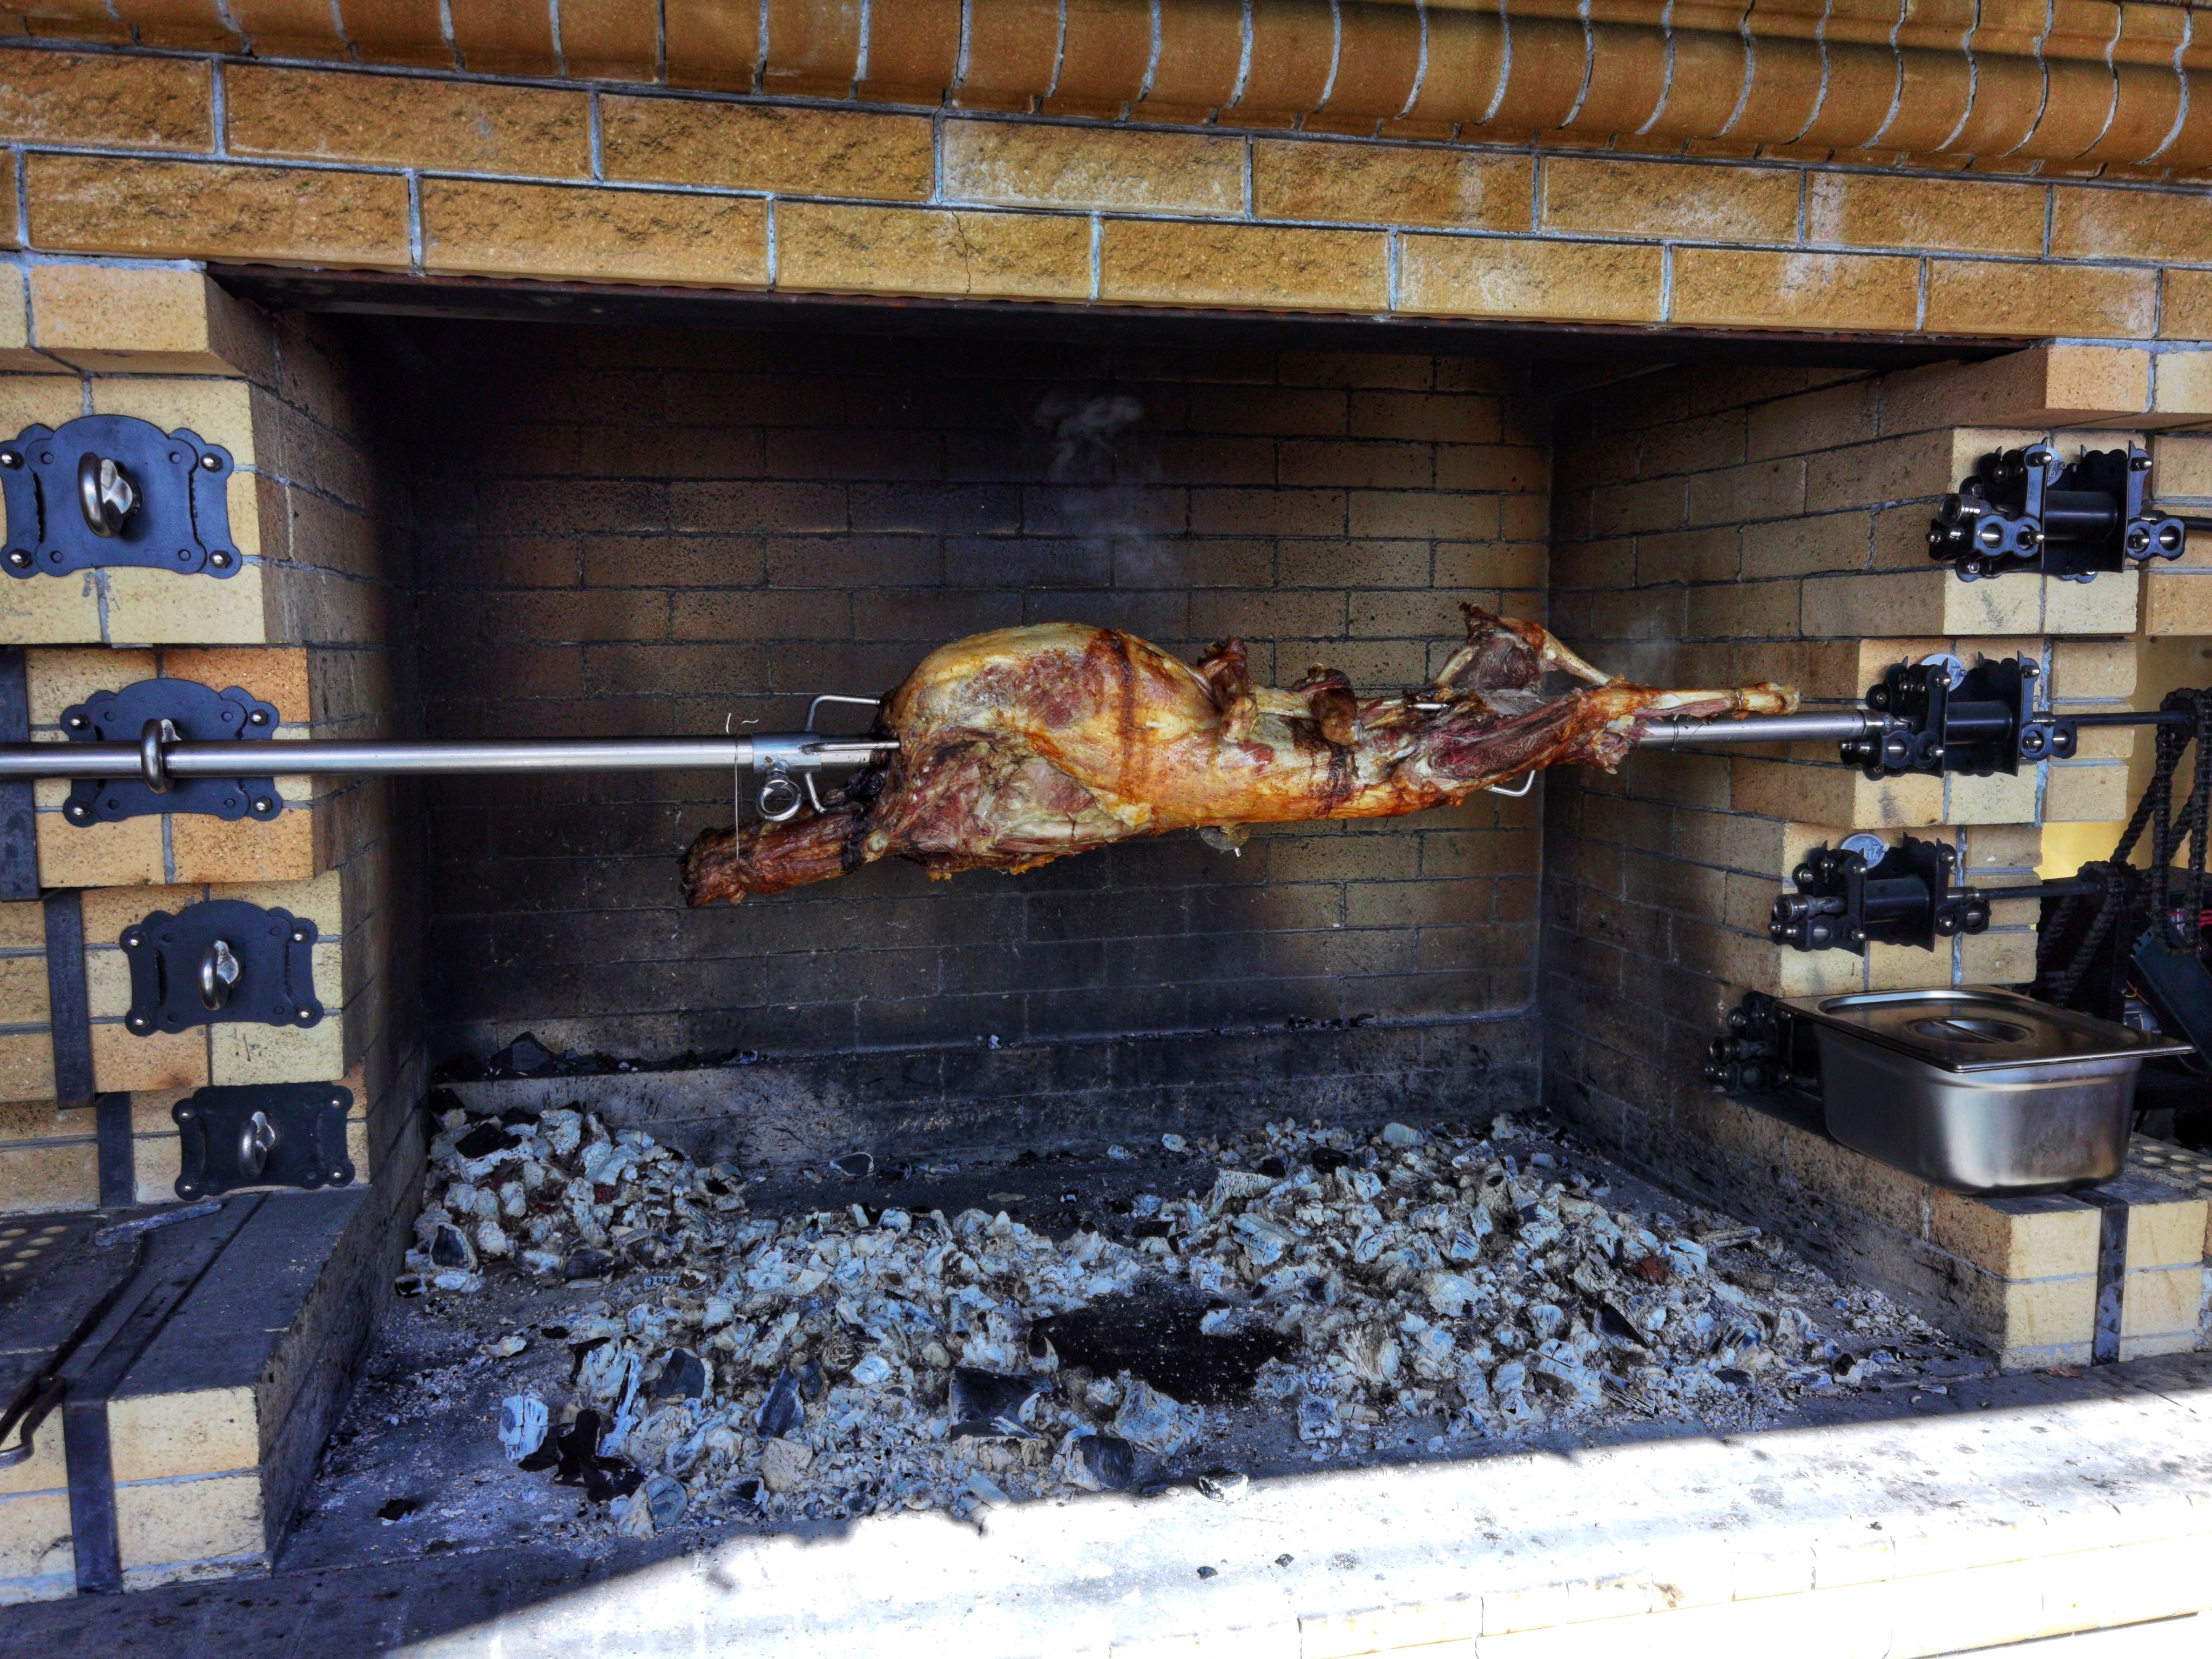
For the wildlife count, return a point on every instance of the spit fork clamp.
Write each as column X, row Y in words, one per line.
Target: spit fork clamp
column 786, row 763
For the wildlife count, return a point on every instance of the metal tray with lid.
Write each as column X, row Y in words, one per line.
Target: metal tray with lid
column 1978, row 1089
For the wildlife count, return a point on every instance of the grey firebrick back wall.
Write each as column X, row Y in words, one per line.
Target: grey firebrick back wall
column 619, row 531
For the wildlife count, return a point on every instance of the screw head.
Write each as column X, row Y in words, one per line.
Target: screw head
column 19, row 558
column 211, row 463
column 219, row 559
column 258, row 717
column 10, row 458
column 78, row 809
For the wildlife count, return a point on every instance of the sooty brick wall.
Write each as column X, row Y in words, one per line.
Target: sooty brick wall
column 625, row 532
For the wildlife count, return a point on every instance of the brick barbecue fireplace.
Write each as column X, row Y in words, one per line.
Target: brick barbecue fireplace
column 643, row 370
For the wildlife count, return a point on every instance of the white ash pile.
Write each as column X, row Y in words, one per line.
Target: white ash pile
column 1436, row 1273
column 845, row 1361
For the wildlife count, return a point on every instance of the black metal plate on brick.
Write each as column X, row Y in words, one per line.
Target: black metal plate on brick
column 297, row 1132
column 178, row 978
column 200, row 714
column 180, row 519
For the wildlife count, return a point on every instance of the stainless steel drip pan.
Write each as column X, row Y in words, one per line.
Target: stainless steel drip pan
column 1978, row 1089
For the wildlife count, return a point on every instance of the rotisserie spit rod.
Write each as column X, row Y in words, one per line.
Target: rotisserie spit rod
column 784, row 764
column 323, row 758
column 155, row 761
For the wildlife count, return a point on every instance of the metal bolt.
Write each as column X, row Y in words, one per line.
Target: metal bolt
column 258, row 717
column 19, row 558
column 79, row 810
column 77, row 722
column 299, row 936
column 219, row 559
column 11, row 460
column 211, row 463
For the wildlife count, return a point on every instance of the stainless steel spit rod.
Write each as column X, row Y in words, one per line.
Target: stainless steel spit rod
column 1815, row 725
column 154, row 760
column 320, row 758
column 157, row 761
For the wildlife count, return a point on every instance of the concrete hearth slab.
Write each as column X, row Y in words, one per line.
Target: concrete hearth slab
column 1880, row 1540
column 2042, row 1505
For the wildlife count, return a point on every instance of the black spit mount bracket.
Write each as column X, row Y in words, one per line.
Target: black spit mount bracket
column 106, row 490
column 1974, row 720
column 1765, row 1047
column 263, row 1134
column 1864, row 893
column 181, row 709
column 2026, row 508
column 220, row 961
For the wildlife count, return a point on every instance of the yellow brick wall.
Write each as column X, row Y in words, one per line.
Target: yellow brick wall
column 1171, row 160
column 305, row 625
column 1719, row 527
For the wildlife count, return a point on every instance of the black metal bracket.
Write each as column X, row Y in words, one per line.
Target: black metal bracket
column 1864, row 893
column 105, row 490
column 221, row 962
column 263, row 1134
column 2024, row 508
column 1971, row 721
column 185, row 711
column 1765, row 1047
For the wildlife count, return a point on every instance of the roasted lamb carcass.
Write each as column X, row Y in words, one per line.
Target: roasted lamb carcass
column 1020, row 746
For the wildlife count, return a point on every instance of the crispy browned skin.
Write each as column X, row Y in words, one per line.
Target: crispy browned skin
column 1018, row 747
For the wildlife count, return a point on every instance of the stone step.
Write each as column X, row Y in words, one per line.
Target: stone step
column 216, row 1426
column 1899, row 1539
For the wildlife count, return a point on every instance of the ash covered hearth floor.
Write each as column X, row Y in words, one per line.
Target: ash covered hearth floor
column 1875, row 1491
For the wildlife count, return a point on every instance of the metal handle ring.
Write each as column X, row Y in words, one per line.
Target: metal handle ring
column 779, row 800
column 105, row 493
column 218, row 974
column 153, row 764
column 257, row 1138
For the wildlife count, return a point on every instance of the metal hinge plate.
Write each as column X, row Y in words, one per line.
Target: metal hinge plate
column 198, row 714
column 105, row 490
column 263, row 1134
column 220, row 961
